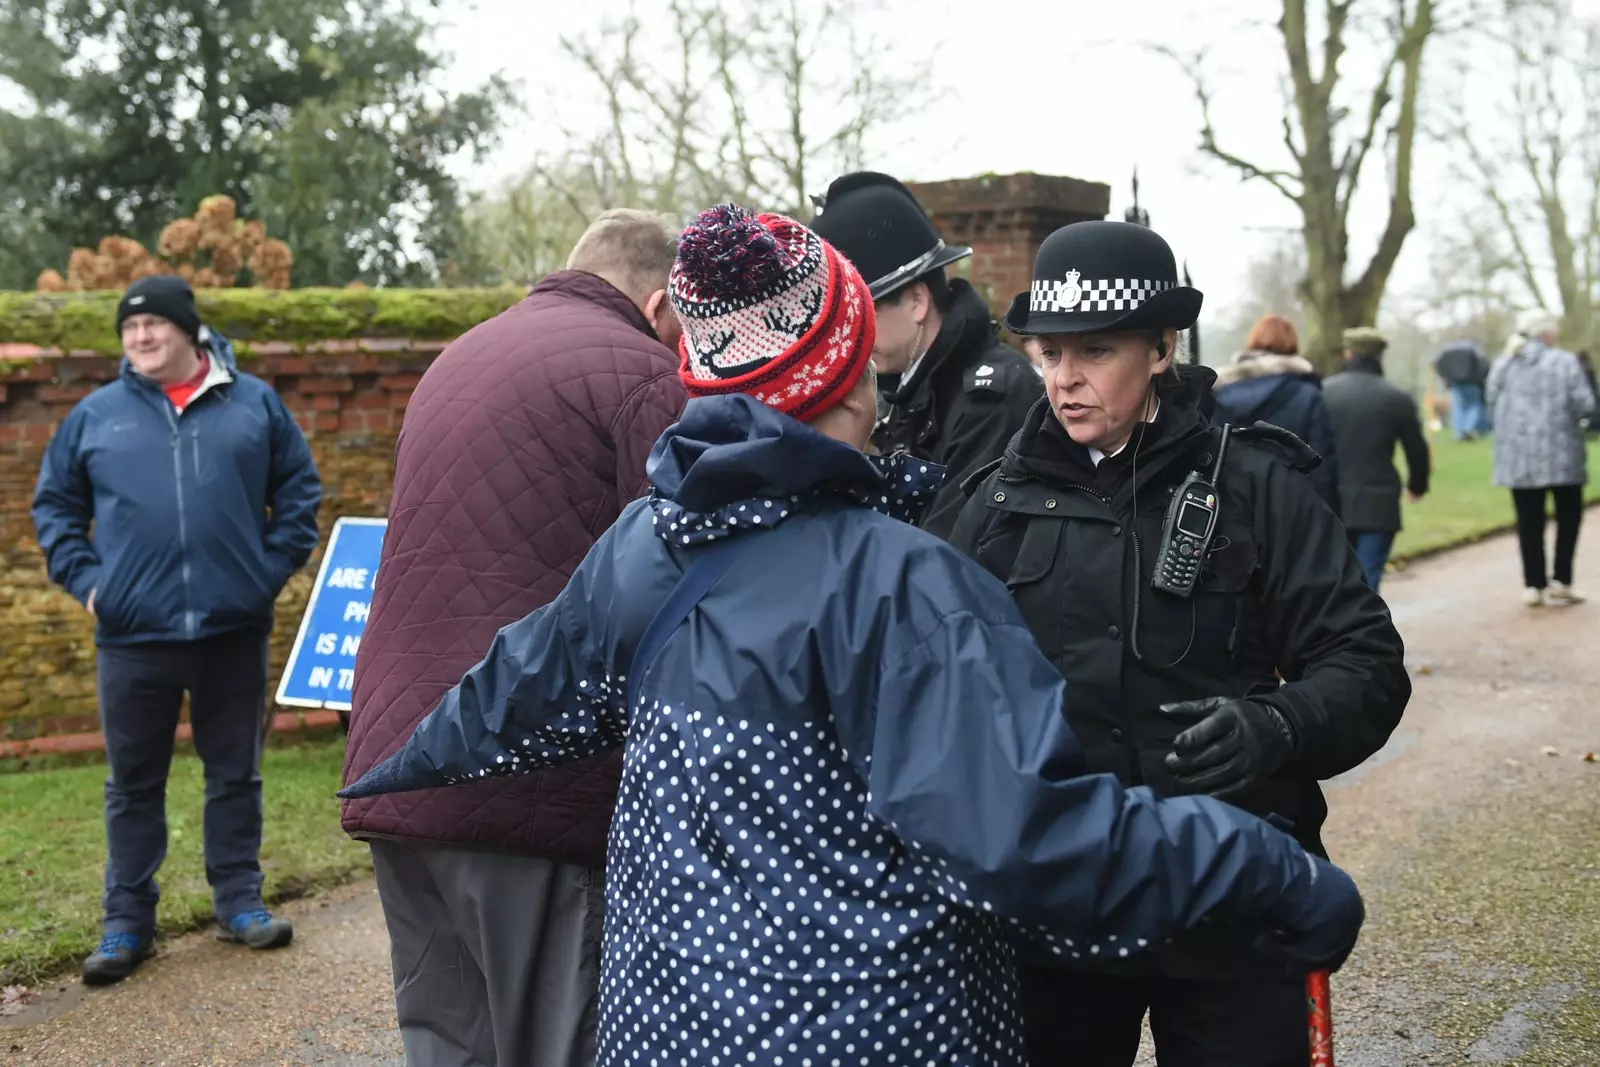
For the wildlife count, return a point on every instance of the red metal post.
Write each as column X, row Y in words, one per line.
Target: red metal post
column 1319, row 1008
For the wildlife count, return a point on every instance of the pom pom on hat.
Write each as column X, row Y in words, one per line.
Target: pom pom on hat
column 729, row 254
column 769, row 309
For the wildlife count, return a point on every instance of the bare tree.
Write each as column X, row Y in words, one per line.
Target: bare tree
column 1328, row 142
column 1471, row 280
column 525, row 228
column 706, row 100
column 1270, row 287
column 1541, row 175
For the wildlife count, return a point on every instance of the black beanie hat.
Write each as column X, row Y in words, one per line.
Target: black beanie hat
column 165, row 295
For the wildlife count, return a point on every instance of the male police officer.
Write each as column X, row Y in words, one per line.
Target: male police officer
column 950, row 391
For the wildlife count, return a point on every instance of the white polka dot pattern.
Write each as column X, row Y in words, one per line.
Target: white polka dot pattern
column 757, row 913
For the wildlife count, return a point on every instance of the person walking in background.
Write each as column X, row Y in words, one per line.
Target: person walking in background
column 175, row 502
column 1370, row 416
column 521, row 445
column 850, row 790
column 1591, row 425
column 1270, row 382
column 951, row 390
column 1538, row 395
column 1463, row 368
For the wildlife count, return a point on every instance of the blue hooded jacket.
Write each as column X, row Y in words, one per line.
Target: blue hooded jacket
column 1286, row 392
column 181, row 525
column 847, row 779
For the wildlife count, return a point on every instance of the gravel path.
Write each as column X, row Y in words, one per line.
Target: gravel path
column 1480, row 856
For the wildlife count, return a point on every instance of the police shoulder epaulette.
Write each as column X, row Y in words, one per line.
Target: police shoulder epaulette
column 989, row 376
column 1284, row 445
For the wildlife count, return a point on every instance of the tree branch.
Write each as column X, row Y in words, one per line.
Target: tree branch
column 1279, row 179
column 1491, row 190
column 1362, row 298
column 1336, row 16
column 1355, row 155
column 739, row 137
column 1293, row 28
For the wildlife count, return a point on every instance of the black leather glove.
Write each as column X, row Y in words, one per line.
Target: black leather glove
column 1230, row 745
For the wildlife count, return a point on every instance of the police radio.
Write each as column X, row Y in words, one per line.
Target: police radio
column 1187, row 531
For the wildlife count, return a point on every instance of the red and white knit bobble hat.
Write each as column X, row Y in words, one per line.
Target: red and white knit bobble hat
column 769, row 309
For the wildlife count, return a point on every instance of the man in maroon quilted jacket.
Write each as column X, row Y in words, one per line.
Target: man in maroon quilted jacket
column 520, row 446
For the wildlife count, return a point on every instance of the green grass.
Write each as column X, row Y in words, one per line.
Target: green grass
column 52, row 851
column 1463, row 504
column 52, row 833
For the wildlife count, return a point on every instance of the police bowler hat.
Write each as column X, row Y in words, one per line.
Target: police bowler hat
column 881, row 228
column 1101, row 277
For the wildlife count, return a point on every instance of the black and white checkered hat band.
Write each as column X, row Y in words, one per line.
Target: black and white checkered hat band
column 1089, row 295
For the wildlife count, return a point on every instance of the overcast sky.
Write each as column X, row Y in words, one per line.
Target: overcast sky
column 1065, row 87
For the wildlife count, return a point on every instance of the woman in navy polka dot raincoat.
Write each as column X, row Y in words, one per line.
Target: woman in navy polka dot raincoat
column 848, row 790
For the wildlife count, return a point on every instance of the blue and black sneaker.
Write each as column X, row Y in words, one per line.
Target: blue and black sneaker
column 258, row 929
column 118, row 956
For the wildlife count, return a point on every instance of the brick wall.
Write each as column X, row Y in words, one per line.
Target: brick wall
column 1004, row 218
column 348, row 397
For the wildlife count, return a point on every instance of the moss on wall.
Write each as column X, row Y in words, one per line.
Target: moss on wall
column 87, row 321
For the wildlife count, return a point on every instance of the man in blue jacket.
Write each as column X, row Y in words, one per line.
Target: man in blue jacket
column 174, row 503
column 847, row 784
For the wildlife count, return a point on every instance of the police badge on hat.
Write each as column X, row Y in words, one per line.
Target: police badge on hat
column 1097, row 277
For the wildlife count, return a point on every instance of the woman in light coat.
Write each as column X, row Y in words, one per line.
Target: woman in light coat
column 1538, row 395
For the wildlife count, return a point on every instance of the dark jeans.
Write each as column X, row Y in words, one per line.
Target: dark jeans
column 141, row 694
column 1372, row 549
column 1092, row 1020
column 1530, row 532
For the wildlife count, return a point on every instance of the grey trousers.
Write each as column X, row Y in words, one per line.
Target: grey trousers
column 496, row 957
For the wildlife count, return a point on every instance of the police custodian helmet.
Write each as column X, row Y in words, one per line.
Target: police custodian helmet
column 875, row 223
column 1098, row 277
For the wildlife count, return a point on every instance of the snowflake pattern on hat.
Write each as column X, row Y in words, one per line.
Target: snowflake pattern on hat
column 770, row 309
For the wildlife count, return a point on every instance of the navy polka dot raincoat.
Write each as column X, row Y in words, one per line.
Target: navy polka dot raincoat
column 848, row 788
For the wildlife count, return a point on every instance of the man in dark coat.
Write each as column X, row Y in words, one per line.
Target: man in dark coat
column 1178, row 692
column 1370, row 416
column 950, row 390
column 174, row 503
column 521, row 445
column 848, row 785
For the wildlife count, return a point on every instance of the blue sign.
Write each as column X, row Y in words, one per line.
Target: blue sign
column 321, row 672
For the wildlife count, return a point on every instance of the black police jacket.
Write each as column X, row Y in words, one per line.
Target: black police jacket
column 1280, row 591
column 967, row 398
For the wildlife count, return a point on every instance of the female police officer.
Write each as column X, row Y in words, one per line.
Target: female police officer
column 1172, row 572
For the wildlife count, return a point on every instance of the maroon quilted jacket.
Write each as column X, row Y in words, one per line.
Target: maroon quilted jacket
column 521, row 444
